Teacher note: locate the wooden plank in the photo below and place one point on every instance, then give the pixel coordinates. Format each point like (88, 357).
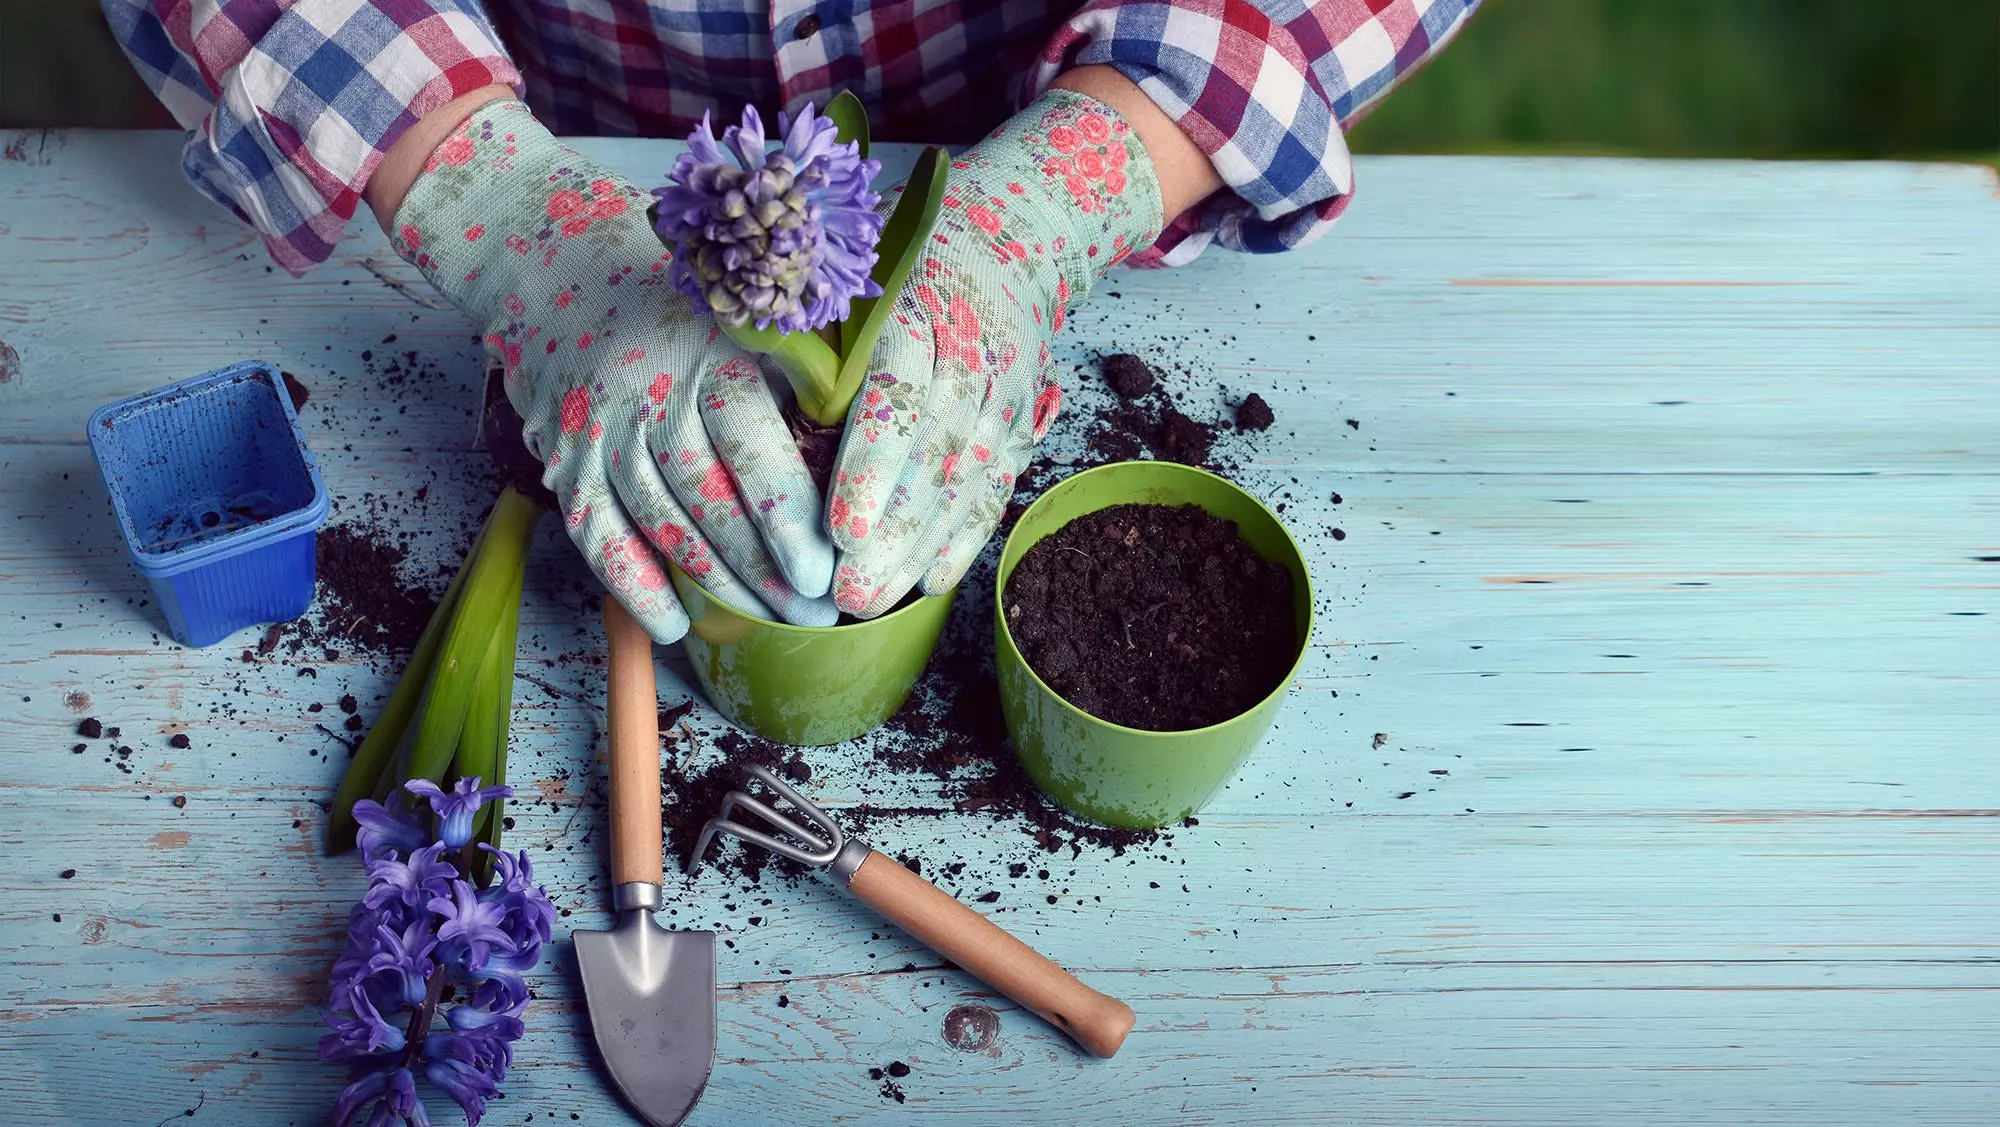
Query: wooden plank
(1664, 525)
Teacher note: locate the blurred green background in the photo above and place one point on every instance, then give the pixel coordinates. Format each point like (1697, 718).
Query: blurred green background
(1749, 78)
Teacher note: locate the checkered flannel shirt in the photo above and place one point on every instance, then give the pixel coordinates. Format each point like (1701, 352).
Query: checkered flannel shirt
(293, 103)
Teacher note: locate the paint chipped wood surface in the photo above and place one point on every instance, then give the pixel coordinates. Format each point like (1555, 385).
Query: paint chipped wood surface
(1672, 514)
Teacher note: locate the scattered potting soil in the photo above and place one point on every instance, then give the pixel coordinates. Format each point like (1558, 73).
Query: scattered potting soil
(90, 728)
(363, 596)
(1254, 414)
(1146, 424)
(1154, 617)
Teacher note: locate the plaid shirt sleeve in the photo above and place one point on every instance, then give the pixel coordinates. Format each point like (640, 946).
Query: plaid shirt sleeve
(293, 103)
(1266, 88)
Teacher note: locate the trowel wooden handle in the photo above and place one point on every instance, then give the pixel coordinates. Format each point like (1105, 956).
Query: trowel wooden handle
(634, 725)
(1098, 1022)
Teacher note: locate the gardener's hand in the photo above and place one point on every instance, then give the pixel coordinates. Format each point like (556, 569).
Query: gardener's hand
(660, 437)
(960, 387)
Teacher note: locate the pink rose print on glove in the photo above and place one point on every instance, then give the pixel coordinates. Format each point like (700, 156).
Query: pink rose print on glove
(456, 150)
(1064, 139)
(987, 221)
(662, 386)
(629, 562)
(851, 591)
(575, 410)
(1094, 127)
(1047, 405)
(716, 485)
(957, 333)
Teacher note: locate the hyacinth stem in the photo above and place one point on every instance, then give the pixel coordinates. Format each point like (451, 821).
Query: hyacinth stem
(423, 1017)
(482, 746)
(492, 593)
(426, 720)
(810, 365)
(364, 771)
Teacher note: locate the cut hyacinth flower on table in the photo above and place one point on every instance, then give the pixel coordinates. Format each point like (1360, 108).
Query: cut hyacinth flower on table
(421, 928)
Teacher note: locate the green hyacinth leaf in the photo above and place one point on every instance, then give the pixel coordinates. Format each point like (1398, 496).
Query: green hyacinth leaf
(850, 120)
(902, 243)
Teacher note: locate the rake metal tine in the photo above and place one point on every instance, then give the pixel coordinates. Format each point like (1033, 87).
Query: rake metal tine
(823, 851)
(813, 813)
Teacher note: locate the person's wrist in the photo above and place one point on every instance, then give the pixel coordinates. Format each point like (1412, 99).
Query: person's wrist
(404, 162)
(1083, 187)
(1186, 175)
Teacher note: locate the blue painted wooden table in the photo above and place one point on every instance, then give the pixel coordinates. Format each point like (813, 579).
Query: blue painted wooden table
(1642, 771)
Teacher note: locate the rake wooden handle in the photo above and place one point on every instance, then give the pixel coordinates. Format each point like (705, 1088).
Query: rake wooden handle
(634, 724)
(1096, 1021)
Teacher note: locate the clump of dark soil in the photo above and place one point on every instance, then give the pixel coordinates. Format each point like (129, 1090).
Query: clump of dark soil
(1128, 375)
(300, 394)
(500, 425)
(1153, 617)
(362, 595)
(818, 445)
(1254, 414)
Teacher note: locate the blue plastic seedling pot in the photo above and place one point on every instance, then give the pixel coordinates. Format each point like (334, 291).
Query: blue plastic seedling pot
(217, 496)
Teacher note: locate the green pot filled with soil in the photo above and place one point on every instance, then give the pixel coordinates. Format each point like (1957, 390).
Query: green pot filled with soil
(806, 685)
(1150, 617)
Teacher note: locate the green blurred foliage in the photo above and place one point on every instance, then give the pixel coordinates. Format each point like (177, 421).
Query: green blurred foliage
(1750, 78)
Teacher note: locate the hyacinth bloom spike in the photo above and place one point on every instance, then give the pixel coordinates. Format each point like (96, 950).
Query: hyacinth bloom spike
(419, 928)
(781, 239)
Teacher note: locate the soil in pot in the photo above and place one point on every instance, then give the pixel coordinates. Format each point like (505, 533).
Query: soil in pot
(1153, 616)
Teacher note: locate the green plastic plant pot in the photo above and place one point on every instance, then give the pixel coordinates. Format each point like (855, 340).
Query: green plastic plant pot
(1107, 772)
(807, 686)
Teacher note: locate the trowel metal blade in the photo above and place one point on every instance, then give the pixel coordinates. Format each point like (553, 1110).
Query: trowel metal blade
(651, 994)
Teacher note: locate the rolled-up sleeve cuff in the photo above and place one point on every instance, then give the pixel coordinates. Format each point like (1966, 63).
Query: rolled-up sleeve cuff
(302, 122)
(1264, 87)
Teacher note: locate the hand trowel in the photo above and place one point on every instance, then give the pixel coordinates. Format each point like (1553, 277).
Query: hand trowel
(650, 991)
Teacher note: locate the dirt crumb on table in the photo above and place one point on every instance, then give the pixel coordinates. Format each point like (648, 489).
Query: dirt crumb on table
(1254, 414)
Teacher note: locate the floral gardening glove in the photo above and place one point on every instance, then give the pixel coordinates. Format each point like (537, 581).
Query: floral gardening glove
(960, 388)
(660, 437)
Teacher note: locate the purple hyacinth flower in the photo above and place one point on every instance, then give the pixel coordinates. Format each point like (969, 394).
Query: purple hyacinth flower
(359, 1029)
(472, 926)
(404, 960)
(413, 883)
(455, 807)
(392, 1091)
(381, 828)
(467, 1084)
(785, 238)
